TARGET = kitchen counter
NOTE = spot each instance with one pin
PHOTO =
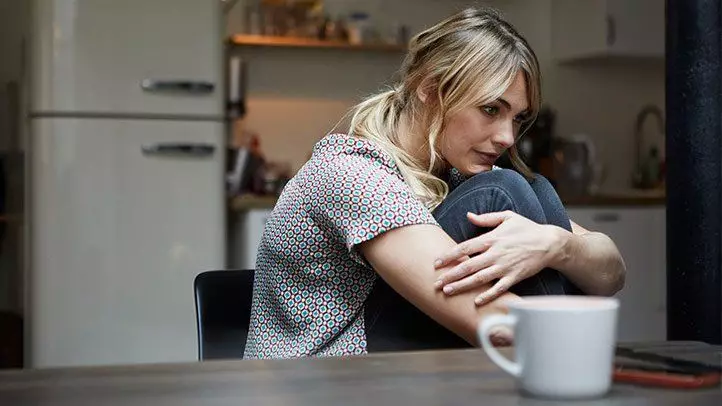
(250, 202)
(616, 199)
(619, 198)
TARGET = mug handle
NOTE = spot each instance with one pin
(489, 322)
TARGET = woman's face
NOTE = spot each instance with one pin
(475, 137)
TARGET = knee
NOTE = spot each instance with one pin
(497, 190)
(511, 182)
(541, 182)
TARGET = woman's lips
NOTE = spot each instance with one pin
(488, 158)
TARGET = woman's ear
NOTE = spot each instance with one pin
(425, 90)
(422, 94)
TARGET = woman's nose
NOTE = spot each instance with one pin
(504, 135)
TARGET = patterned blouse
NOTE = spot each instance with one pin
(311, 283)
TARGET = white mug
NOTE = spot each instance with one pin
(564, 345)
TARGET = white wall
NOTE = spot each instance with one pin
(298, 95)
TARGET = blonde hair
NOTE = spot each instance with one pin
(469, 59)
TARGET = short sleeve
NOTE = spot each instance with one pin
(360, 196)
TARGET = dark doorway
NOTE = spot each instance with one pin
(694, 177)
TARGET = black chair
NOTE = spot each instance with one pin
(223, 312)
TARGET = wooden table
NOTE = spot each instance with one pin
(463, 377)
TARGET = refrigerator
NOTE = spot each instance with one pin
(126, 172)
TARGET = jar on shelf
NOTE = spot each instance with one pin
(358, 27)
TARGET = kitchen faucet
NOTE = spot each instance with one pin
(638, 177)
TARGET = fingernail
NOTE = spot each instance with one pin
(478, 301)
(448, 289)
(437, 262)
(438, 284)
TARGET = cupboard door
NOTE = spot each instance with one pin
(119, 231)
(636, 27)
(640, 235)
(597, 29)
(578, 28)
(94, 56)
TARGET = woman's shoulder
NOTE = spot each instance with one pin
(350, 150)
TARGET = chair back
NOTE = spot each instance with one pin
(223, 312)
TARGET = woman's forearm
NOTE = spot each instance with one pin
(591, 261)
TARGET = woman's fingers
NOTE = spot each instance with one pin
(467, 248)
(464, 269)
(501, 336)
(497, 289)
(482, 276)
(489, 220)
(478, 244)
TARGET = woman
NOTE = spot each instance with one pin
(402, 234)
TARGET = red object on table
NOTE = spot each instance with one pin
(665, 379)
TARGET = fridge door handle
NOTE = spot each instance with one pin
(178, 86)
(197, 150)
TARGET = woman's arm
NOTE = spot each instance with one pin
(404, 257)
(518, 248)
(590, 260)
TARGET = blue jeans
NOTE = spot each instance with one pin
(502, 190)
(393, 324)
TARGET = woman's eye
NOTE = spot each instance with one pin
(520, 119)
(490, 110)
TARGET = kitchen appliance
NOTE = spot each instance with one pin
(127, 170)
(648, 164)
(576, 171)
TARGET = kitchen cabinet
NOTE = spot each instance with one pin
(600, 29)
(640, 234)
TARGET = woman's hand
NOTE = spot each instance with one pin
(501, 336)
(516, 249)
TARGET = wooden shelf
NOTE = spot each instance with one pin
(293, 42)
